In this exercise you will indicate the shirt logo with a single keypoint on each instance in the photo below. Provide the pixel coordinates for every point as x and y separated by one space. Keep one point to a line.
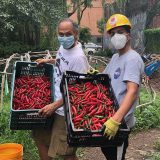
57 67
117 73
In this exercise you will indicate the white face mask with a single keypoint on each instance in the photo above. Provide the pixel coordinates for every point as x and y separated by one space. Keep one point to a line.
119 41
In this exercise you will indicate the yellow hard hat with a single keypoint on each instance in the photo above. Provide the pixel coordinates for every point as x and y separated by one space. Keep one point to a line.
117 20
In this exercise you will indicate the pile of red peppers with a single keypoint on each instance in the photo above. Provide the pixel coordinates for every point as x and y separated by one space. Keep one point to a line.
91 105
31 92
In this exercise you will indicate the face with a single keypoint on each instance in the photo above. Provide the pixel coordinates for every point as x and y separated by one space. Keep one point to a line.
66 29
119 30
66 35
119 38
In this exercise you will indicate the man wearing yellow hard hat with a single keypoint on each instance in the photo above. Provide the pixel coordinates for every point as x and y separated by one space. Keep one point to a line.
125 70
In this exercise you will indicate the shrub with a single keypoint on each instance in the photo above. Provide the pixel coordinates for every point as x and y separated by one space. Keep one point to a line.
152 37
149 115
104 53
13 47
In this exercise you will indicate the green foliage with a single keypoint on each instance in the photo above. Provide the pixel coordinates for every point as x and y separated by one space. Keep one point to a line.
101 25
104 53
155 156
84 35
37 10
23 22
148 116
157 144
152 40
14 47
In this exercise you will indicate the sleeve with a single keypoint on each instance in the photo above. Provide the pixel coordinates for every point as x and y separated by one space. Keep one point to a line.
106 70
108 67
80 65
133 70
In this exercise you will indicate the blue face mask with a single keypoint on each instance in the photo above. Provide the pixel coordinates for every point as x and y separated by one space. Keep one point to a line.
66 42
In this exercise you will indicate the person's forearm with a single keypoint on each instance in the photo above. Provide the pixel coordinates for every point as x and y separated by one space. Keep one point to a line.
125 105
41 61
52 61
57 104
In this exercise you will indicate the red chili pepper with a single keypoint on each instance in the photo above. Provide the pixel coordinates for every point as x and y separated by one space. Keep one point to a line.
79 116
98 125
74 111
109 102
102 121
27 88
91 108
92 112
100 108
95 120
77 119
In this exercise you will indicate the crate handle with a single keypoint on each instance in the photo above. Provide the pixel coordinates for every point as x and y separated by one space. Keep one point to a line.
82 77
32 114
33 65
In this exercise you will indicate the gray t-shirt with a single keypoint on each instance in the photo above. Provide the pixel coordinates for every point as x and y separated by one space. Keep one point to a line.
122 68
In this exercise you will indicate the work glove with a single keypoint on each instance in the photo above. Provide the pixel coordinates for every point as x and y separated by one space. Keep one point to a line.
93 71
111 128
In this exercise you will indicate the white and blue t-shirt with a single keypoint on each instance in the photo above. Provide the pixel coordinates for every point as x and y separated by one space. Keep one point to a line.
123 68
73 59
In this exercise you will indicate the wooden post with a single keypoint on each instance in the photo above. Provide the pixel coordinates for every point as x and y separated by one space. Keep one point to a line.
3 78
2 87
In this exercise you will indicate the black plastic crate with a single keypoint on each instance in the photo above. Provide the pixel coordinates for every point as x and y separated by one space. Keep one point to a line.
98 140
29 119
82 137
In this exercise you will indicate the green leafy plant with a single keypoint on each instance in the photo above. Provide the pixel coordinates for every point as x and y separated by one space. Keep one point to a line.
155 156
104 53
148 116
157 144
84 35
152 37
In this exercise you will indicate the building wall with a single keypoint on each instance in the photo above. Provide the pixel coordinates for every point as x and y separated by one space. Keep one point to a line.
90 18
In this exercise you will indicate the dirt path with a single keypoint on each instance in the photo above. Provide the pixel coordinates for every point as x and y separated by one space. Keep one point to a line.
141 144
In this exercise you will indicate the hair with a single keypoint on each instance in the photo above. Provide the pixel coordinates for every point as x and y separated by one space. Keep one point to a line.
126 27
75 25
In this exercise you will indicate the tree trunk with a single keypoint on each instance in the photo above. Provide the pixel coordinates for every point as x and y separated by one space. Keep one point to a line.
37 35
